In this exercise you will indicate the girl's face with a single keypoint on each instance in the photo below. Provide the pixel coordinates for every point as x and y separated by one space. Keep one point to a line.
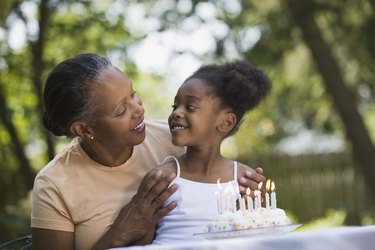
118 112
195 114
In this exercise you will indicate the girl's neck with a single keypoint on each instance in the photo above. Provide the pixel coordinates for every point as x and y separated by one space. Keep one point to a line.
207 159
203 166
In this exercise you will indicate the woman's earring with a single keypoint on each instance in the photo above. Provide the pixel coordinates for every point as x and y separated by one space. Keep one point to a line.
92 137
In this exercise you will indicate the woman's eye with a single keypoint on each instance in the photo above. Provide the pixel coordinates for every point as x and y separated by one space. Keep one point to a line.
121 112
133 94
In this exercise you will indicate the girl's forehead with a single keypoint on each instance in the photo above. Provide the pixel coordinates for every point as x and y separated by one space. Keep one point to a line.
195 85
197 90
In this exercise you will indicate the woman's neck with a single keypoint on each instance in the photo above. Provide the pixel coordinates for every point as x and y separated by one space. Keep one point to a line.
105 156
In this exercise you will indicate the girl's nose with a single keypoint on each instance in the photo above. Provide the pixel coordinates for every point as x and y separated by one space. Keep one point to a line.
177 113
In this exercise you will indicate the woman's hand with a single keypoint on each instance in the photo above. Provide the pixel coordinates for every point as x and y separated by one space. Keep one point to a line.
140 215
251 178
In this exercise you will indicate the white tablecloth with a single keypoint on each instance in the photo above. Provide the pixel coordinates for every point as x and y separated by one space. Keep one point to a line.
340 238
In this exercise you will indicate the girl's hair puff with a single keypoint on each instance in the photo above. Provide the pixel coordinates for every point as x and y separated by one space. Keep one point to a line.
239 85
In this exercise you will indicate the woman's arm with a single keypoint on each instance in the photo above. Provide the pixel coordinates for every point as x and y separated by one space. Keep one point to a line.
52 239
140 215
248 177
148 239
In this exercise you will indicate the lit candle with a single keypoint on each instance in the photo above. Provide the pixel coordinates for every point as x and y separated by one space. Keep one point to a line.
273 196
267 196
230 197
219 198
217 194
233 197
249 200
243 204
241 200
227 198
256 200
258 195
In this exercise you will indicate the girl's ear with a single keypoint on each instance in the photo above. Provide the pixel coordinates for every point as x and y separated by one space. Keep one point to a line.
82 130
227 122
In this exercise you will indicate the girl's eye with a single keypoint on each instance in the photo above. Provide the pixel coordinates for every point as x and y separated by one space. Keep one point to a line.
187 107
190 107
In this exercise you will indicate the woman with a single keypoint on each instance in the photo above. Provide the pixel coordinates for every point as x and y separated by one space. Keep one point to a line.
91 195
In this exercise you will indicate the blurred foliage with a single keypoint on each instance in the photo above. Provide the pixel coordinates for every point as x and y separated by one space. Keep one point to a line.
332 218
15 220
262 32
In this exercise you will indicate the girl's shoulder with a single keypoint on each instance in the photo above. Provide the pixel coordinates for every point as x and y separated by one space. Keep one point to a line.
169 165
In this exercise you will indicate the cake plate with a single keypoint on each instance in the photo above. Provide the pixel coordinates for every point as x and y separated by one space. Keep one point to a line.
249 232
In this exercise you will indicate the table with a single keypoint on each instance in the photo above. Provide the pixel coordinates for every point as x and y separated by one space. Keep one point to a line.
340 238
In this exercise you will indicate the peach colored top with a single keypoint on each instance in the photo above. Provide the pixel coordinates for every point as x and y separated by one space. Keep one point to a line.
75 194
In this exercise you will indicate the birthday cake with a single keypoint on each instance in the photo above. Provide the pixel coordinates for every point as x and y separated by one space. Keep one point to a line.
243 220
250 214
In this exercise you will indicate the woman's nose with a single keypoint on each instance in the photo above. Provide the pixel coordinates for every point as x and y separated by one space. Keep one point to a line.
138 109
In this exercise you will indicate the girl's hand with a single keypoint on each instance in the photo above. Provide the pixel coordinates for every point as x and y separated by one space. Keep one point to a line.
251 179
138 218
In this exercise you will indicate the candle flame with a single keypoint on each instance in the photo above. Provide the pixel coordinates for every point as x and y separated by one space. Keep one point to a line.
248 191
273 186
260 185
268 184
218 183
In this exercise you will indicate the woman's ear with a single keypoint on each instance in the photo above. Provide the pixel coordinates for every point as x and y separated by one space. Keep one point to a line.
227 122
81 129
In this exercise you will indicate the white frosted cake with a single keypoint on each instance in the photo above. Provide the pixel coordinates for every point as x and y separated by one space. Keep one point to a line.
251 213
241 220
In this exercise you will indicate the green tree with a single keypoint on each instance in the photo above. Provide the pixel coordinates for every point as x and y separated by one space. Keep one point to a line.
321 29
64 29
6 113
332 78
303 46
54 30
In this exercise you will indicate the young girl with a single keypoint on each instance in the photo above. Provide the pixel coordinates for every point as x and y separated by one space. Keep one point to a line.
208 107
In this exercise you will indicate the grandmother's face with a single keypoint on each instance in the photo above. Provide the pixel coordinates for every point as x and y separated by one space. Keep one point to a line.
118 114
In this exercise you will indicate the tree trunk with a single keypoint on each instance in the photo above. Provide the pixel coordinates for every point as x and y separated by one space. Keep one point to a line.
25 168
372 3
37 49
356 130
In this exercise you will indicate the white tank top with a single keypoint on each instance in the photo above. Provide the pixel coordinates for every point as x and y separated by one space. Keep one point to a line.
196 204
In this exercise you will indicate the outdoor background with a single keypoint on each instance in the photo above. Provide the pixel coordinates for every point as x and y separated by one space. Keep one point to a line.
314 135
